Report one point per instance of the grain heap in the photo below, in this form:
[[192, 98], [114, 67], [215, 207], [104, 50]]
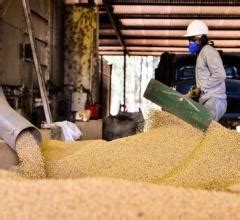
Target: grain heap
[[234, 188], [169, 152], [156, 119], [142, 157], [30, 157], [111, 199], [56, 150], [214, 164], [6, 175]]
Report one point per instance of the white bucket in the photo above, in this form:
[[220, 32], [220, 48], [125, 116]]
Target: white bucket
[[79, 100]]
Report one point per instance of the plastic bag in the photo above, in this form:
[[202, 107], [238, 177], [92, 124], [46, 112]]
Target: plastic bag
[[71, 132]]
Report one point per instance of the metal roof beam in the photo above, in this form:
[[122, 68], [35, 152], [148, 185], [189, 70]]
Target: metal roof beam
[[140, 45], [159, 45], [177, 2], [130, 37], [154, 28], [159, 50], [114, 23], [179, 16], [173, 27]]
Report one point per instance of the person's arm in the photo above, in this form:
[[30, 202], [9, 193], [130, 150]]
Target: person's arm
[[215, 66]]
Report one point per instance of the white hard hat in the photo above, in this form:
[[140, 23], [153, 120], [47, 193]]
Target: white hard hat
[[196, 28]]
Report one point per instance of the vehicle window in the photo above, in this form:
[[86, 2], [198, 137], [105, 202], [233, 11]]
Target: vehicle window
[[188, 72], [185, 73], [231, 72]]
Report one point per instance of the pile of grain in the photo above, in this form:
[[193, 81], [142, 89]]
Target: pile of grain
[[170, 152], [30, 157], [156, 119], [8, 175], [234, 188], [213, 164], [111, 199], [56, 150], [142, 157]]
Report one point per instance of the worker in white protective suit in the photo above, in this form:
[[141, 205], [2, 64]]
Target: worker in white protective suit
[[209, 72]]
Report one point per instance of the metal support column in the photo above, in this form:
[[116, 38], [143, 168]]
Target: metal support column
[[124, 78], [36, 60]]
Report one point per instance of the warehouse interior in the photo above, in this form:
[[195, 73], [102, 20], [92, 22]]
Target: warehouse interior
[[93, 124]]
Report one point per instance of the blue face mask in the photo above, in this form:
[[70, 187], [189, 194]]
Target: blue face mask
[[193, 47]]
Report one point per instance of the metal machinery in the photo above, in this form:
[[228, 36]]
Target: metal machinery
[[12, 123]]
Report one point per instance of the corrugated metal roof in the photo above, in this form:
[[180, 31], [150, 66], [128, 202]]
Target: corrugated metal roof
[[215, 23], [214, 34], [139, 9], [152, 26]]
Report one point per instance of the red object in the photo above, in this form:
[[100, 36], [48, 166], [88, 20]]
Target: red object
[[94, 109]]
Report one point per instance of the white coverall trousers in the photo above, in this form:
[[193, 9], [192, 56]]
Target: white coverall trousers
[[217, 107]]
